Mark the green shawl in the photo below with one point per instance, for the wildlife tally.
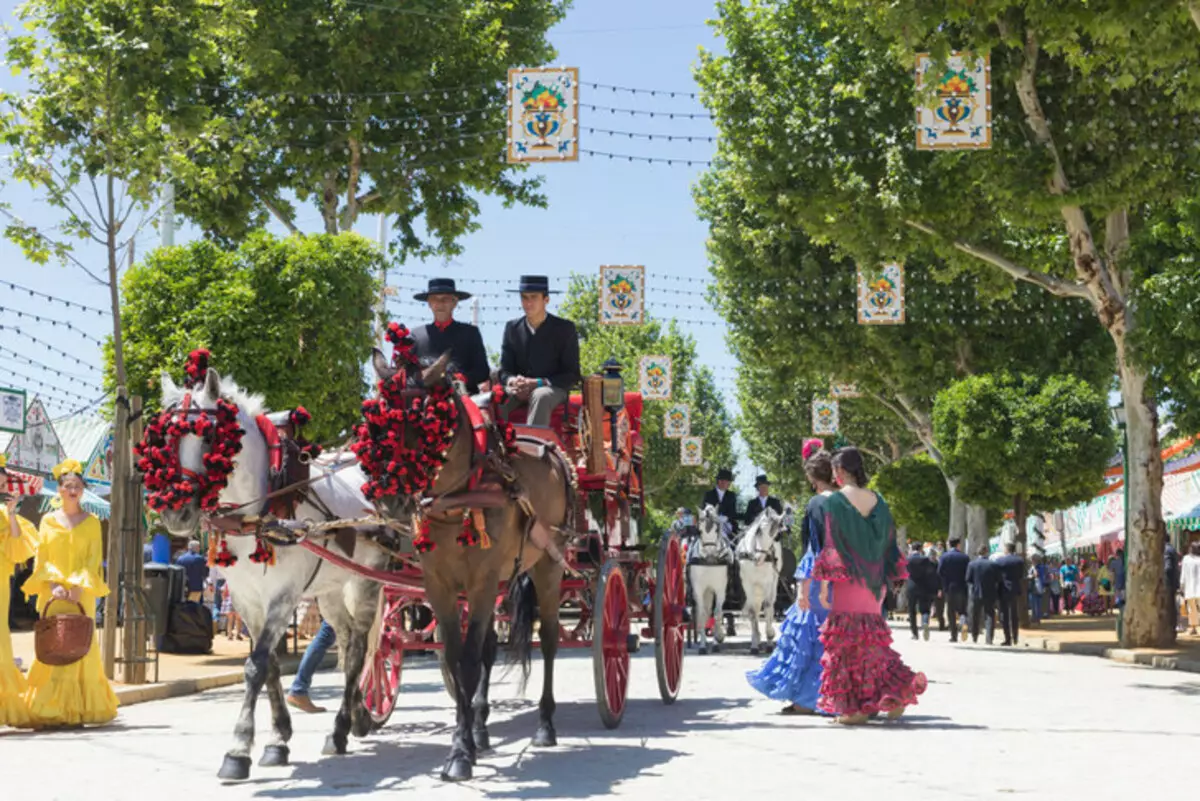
(866, 545)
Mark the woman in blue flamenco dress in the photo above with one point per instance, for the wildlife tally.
(793, 672)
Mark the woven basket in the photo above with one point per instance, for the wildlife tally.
(63, 639)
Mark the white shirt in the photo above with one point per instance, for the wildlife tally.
(1189, 576)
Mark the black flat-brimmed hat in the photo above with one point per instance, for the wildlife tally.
(762, 479)
(534, 283)
(441, 286)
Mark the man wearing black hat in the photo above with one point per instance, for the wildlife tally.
(723, 498)
(762, 501)
(447, 334)
(539, 360)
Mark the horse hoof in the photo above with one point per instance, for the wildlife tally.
(274, 756)
(754, 649)
(483, 740)
(717, 648)
(545, 737)
(458, 769)
(361, 724)
(703, 651)
(333, 748)
(234, 768)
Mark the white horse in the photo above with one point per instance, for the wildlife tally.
(266, 596)
(709, 558)
(759, 554)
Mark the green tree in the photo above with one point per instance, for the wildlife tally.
(917, 494)
(1024, 442)
(818, 99)
(372, 108)
(287, 318)
(669, 484)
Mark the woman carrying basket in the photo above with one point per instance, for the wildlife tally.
(18, 538)
(67, 579)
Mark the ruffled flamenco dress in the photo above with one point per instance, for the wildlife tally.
(76, 694)
(13, 551)
(862, 675)
(792, 673)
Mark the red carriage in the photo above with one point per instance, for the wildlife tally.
(612, 586)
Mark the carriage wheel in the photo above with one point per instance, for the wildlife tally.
(668, 620)
(380, 679)
(610, 645)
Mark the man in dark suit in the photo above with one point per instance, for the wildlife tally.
(920, 588)
(952, 570)
(983, 578)
(723, 498)
(464, 342)
(539, 360)
(761, 502)
(1012, 576)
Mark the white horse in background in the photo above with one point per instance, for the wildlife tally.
(266, 596)
(759, 554)
(709, 558)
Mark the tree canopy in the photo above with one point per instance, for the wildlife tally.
(669, 484)
(916, 493)
(1022, 440)
(288, 318)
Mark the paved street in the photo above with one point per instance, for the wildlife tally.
(992, 724)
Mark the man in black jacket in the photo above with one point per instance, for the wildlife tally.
(723, 498)
(1012, 576)
(952, 570)
(761, 502)
(920, 588)
(983, 577)
(464, 342)
(539, 360)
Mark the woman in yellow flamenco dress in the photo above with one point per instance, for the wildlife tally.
(67, 574)
(18, 538)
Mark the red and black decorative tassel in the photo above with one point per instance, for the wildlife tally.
(224, 557)
(467, 537)
(264, 552)
(422, 542)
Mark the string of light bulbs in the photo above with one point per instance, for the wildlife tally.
(48, 346)
(52, 321)
(70, 304)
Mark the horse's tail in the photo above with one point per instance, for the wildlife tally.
(522, 603)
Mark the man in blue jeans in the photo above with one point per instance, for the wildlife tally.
(315, 652)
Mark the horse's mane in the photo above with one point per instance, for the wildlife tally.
(250, 403)
(746, 544)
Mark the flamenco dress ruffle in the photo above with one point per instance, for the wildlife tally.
(16, 550)
(862, 674)
(793, 671)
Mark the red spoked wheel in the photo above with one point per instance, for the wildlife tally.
(610, 645)
(380, 680)
(669, 629)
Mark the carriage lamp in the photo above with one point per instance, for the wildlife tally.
(613, 391)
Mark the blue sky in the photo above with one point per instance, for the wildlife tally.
(600, 211)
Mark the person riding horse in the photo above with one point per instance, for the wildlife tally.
(539, 360)
(447, 334)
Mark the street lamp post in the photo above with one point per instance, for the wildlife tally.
(1119, 420)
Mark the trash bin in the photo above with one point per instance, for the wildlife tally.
(164, 588)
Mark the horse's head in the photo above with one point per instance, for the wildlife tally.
(762, 538)
(195, 456)
(409, 443)
(710, 525)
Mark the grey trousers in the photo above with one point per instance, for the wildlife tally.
(541, 404)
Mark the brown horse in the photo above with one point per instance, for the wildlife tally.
(527, 516)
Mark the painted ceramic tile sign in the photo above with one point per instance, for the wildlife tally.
(824, 417)
(543, 114)
(954, 106)
(881, 294)
(655, 377)
(677, 421)
(691, 451)
(622, 295)
(837, 390)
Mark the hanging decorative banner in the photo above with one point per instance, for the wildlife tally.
(677, 421)
(881, 294)
(37, 450)
(655, 373)
(99, 467)
(954, 108)
(837, 390)
(691, 451)
(824, 417)
(622, 295)
(12, 410)
(543, 114)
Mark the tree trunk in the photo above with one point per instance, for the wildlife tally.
(977, 529)
(329, 204)
(1146, 604)
(958, 514)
